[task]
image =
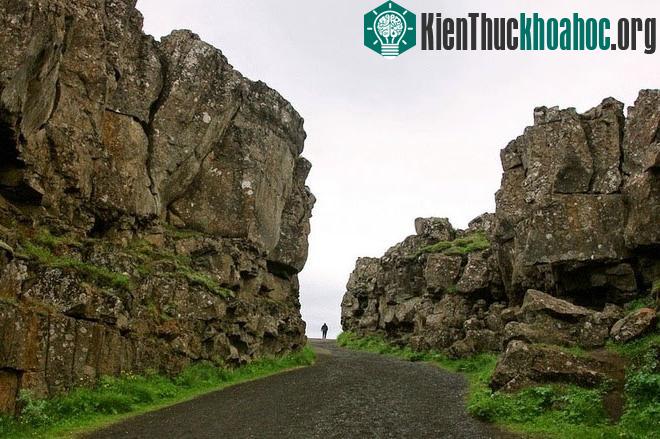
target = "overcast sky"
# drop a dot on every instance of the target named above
(391, 140)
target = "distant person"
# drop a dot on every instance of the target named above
(324, 330)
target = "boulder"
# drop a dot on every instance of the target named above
(483, 223)
(476, 275)
(438, 229)
(475, 341)
(537, 301)
(441, 271)
(546, 319)
(634, 325)
(524, 365)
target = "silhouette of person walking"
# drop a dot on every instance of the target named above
(324, 330)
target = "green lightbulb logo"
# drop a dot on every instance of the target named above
(389, 30)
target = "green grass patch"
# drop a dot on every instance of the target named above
(45, 238)
(94, 273)
(461, 246)
(636, 349)
(47, 249)
(177, 233)
(150, 255)
(201, 279)
(556, 411)
(114, 399)
(642, 302)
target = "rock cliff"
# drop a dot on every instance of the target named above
(574, 239)
(153, 207)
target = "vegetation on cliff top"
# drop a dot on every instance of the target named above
(114, 399)
(469, 243)
(558, 411)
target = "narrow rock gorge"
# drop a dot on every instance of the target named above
(574, 240)
(153, 207)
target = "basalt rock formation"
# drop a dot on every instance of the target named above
(153, 207)
(574, 238)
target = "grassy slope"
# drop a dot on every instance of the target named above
(554, 410)
(116, 399)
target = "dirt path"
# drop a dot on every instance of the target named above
(346, 394)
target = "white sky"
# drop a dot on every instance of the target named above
(391, 140)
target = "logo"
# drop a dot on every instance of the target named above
(390, 29)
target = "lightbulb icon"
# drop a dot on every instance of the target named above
(390, 27)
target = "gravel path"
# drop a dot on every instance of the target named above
(346, 394)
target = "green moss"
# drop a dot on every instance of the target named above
(573, 350)
(177, 233)
(44, 237)
(557, 411)
(94, 273)
(199, 278)
(634, 350)
(462, 246)
(642, 302)
(9, 300)
(182, 266)
(114, 398)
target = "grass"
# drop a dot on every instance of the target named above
(556, 411)
(461, 246)
(46, 248)
(148, 255)
(115, 399)
(177, 233)
(94, 273)
(642, 302)
(43, 237)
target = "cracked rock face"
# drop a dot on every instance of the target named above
(110, 136)
(578, 198)
(105, 125)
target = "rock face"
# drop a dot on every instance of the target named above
(153, 207)
(430, 297)
(577, 212)
(574, 237)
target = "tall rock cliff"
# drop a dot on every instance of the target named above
(153, 207)
(575, 237)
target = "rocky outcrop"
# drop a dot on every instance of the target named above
(153, 207)
(430, 290)
(576, 212)
(522, 365)
(634, 325)
(573, 239)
